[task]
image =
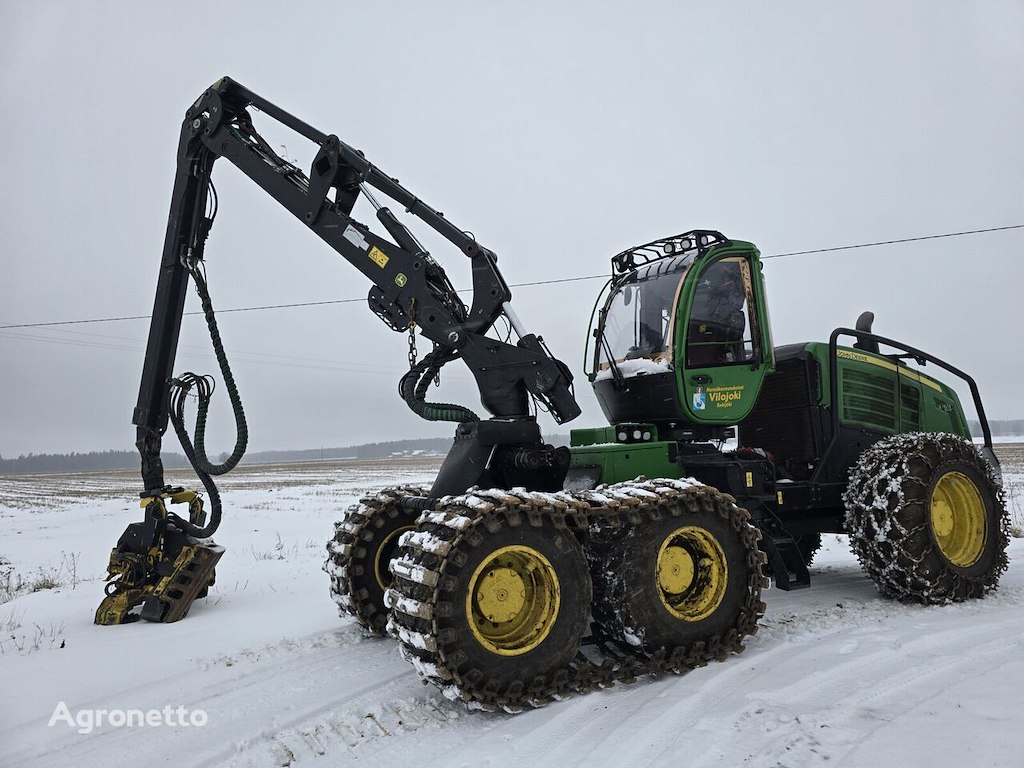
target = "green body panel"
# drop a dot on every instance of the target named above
(628, 461)
(623, 461)
(875, 393)
(723, 394)
(592, 436)
(878, 393)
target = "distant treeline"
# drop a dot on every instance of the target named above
(1004, 428)
(432, 445)
(81, 462)
(105, 460)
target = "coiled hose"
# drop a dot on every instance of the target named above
(413, 388)
(204, 386)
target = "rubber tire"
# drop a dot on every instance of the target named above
(808, 544)
(472, 663)
(627, 605)
(366, 527)
(889, 520)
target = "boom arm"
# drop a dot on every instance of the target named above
(409, 286)
(165, 562)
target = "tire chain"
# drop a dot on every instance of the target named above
(347, 533)
(886, 472)
(421, 564)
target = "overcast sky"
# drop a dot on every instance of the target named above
(559, 133)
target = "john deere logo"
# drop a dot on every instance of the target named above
(400, 280)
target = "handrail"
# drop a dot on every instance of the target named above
(917, 354)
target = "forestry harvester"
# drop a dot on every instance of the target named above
(527, 572)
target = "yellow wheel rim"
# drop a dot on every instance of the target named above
(692, 573)
(958, 519)
(382, 558)
(513, 600)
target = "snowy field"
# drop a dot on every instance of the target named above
(836, 675)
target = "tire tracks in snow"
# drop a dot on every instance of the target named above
(915, 655)
(810, 685)
(818, 678)
(248, 703)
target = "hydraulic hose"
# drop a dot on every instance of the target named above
(241, 428)
(204, 385)
(181, 387)
(413, 388)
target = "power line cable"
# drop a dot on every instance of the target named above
(552, 281)
(257, 358)
(894, 242)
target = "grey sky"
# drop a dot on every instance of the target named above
(559, 133)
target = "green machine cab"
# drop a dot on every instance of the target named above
(684, 368)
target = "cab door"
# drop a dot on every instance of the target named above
(725, 349)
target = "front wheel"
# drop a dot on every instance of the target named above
(926, 518)
(492, 606)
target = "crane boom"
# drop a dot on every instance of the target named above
(410, 291)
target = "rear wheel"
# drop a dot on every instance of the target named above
(694, 575)
(364, 543)
(926, 519)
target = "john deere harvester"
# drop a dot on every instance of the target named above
(527, 571)
(724, 454)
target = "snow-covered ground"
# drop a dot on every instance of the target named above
(836, 675)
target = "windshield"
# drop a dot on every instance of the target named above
(637, 332)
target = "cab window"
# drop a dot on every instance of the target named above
(722, 326)
(637, 335)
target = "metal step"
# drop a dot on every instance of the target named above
(789, 571)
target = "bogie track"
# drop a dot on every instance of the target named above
(491, 593)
